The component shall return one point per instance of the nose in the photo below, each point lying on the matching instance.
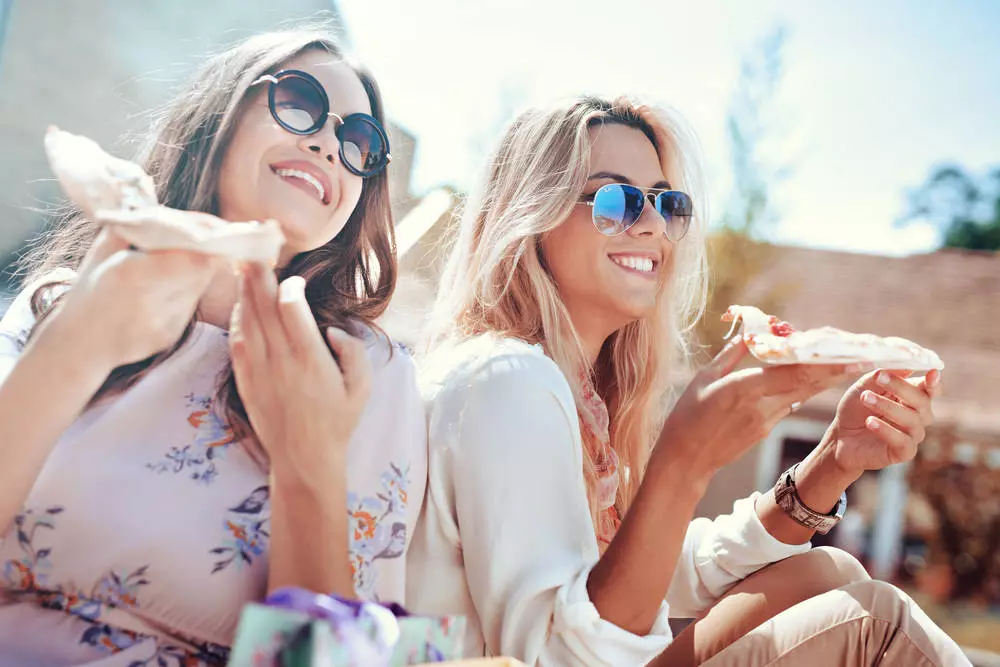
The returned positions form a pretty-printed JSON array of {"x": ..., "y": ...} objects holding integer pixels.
[
  {"x": 650, "y": 221},
  {"x": 324, "y": 143}
]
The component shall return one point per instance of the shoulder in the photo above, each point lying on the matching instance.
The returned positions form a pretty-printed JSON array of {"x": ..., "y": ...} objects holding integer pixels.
[
  {"x": 494, "y": 384},
  {"x": 393, "y": 368},
  {"x": 19, "y": 317},
  {"x": 491, "y": 364}
]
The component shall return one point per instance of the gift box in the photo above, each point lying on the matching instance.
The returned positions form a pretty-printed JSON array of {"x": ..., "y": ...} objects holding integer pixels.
[
  {"x": 484, "y": 662},
  {"x": 296, "y": 628}
]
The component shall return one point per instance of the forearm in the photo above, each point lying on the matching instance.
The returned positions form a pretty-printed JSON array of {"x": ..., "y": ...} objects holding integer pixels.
[
  {"x": 309, "y": 535},
  {"x": 40, "y": 398},
  {"x": 631, "y": 580},
  {"x": 819, "y": 482}
]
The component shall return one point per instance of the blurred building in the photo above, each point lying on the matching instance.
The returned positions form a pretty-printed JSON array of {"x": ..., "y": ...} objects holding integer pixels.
[{"x": 98, "y": 68}]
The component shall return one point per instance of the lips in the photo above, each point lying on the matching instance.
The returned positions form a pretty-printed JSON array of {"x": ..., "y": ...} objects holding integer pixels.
[{"x": 305, "y": 176}]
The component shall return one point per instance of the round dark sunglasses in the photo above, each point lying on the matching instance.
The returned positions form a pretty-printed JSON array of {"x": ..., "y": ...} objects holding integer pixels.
[
  {"x": 300, "y": 105},
  {"x": 618, "y": 206}
]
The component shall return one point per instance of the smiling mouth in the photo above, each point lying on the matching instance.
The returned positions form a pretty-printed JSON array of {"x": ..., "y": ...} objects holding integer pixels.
[
  {"x": 645, "y": 266},
  {"x": 304, "y": 177}
]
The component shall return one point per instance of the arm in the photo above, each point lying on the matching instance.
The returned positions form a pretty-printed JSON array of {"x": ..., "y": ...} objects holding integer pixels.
[
  {"x": 124, "y": 307},
  {"x": 526, "y": 533},
  {"x": 308, "y": 545},
  {"x": 629, "y": 582},
  {"x": 863, "y": 436},
  {"x": 42, "y": 391},
  {"x": 659, "y": 550},
  {"x": 310, "y": 533},
  {"x": 304, "y": 406}
]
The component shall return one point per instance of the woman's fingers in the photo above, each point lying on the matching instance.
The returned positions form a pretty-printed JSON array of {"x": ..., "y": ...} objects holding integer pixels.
[
  {"x": 902, "y": 445},
  {"x": 727, "y": 359},
  {"x": 903, "y": 417},
  {"x": 931, "y": 383},
  {"x": 353, "y": 360},
  {"x": 261, "y": 295},
  {"x": 904, "y": 391},
  {"x": 297, "y": 319},
  {"x": 249, "y": 334},
  {"x": 800, "y": 382}
]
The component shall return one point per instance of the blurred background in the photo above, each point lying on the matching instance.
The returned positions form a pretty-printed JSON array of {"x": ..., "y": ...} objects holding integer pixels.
[{"x": 851, "y": 149}]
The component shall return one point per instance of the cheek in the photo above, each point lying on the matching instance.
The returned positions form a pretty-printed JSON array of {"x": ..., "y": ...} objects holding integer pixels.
[
  {"x": 238, "y": 187},
  {"x": 572, "y": 251}
]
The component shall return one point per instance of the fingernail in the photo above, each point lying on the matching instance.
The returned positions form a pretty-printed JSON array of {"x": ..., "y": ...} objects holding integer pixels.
[
  {"x": 872, "y": 423},
  {"x": 863, "y": 367},
  {"x": 292, "y": 289},
  {"x": 884, "y": 379},
  {"x": 869, "y": 398},
  {"x": 936, "y": 380}
]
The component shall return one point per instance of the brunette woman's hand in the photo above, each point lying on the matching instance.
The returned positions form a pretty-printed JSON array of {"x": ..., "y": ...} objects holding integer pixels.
[
  {"x": 126, "y": 305},
  {"x": 724, "y": 412},
  {"x": 303, "y": 403}
]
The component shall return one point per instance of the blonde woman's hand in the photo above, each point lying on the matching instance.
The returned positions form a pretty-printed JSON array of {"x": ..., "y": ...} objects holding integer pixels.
[
  {"x": 126, "y": 305},
  {"x": 882, "y": 419},
  {"x": 724, "y": 412},
  {"x": 303, "y": 404}
]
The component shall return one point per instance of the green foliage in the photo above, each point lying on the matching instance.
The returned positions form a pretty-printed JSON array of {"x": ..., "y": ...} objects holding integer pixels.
[{"x": 966, "y": 208}]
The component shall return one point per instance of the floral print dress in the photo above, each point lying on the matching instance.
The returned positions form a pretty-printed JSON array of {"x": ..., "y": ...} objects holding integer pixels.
[{"x": 148, "y": 527}]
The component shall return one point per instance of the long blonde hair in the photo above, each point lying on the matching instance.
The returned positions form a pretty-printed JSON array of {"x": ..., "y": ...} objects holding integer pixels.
[{"x": 495, "y": 280}]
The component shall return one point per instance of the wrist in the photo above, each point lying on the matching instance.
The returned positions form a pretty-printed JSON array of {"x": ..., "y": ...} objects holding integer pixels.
[
  {"x": 82, "y": 361},
  {"x": 85, "y": 348},
  {"x": 820, "y": 479},
  {"x": 669, "y": 469},
  {"x": 312, "y": 481}
]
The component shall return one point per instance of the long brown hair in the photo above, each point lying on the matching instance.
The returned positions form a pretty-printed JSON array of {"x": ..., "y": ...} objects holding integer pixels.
[
  {"x": 349, "y": 280},
  {"x": 496, "y": 280}
]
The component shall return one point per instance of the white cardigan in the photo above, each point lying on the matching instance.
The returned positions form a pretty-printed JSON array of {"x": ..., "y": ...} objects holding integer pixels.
[{"x": 505, "y": 535}]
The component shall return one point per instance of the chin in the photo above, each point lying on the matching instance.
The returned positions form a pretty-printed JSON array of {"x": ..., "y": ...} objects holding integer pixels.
[{"x": 633, "y": 311}]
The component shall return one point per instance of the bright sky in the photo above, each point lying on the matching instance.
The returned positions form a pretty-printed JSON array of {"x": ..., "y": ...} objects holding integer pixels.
[{"x": 872, "y": 96}]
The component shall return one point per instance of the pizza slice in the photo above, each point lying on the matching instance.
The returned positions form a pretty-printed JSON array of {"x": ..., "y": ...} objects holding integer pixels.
[
  {"x": 162, "y": 228},
  {"x": 119, "y": 194},
  {"x": 773, "y": 341},
  {"x": 95, "y": 180}
]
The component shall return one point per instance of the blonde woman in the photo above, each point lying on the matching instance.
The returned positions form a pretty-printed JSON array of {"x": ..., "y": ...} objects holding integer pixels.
[{"x": 560, "y": 498}]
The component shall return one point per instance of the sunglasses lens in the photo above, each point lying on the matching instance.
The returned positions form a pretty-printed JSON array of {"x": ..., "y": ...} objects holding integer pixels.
[
  {"x": 298, "y": 104},
  {"x": 616, "y": 208},
  {"x": 362, "y": 144},
  {"x": 676, "y": 209}
]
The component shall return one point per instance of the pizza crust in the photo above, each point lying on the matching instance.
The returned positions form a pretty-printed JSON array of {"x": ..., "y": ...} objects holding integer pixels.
[
  {"x": 825, "y": 345},
  {"x": 118, "y": 194}
]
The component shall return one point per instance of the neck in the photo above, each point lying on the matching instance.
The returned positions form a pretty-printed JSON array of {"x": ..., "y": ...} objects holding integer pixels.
[
  {"x": 216, "y": 305},
  {"x": 593, "y": 332}
]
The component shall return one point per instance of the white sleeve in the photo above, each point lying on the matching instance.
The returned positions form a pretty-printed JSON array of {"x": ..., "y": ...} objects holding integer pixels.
[
  {"x": 19, "y": 320},
  {"x": 526, "y": 533},
  {"x": 719, "y": 553},
  {"x": 14, "y": 329},
  {"x": 391, "y": 439}
]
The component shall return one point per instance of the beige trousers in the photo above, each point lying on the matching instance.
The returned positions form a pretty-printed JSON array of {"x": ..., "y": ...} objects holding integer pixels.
[{"x": 865, "y": 623}]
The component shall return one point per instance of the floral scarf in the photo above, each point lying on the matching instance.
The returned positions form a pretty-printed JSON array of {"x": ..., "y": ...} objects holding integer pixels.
[{"x": 598, "y": 447}]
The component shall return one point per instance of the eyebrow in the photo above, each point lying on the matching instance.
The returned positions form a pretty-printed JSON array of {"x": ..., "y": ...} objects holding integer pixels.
[{"x": 621, "y": 178}]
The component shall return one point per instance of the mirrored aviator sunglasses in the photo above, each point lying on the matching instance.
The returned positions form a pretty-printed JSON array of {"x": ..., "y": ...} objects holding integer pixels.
[
  {"x": 616, "y": 207},
  {"x": 299, "y": 104}
]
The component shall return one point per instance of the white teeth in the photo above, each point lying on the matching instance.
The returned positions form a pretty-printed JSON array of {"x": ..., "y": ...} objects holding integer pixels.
[
  {"x": 308, "y": 178},
  {"x": 644, "y": 264}
]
